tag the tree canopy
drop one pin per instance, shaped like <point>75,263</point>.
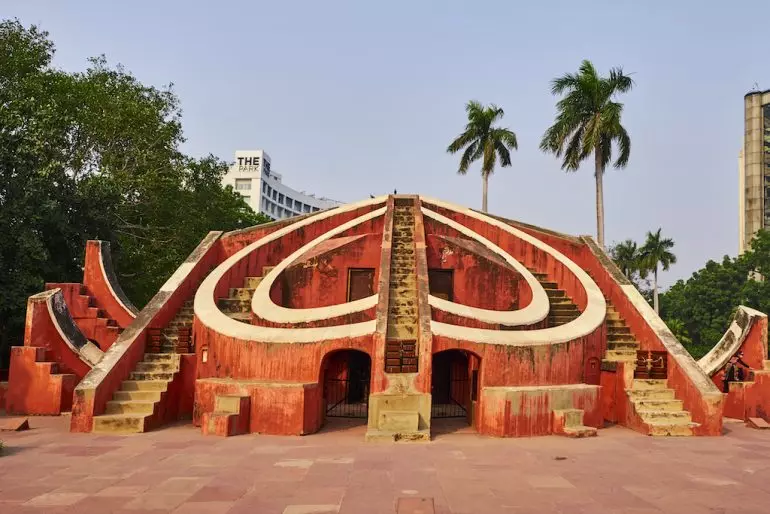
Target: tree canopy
<point>588,121</point>
<point>703,305</point>
<point>482,140</point>
<point>94,155</point>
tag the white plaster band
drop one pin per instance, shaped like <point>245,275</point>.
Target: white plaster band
<point>208,313</point>
<point>535,312</point>
<point>589,320</point>
<point>264,307</point>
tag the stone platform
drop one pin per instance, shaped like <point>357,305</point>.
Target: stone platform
<point>175,469</point>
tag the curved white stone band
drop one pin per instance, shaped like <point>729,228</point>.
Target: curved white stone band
<point>208,313</point>
<point>731,341</point>
<point>589,320</point>
<point>535,312</point>
<point>264,307</point>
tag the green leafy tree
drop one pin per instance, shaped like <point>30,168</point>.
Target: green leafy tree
<point>626,256</point>
<point>482,140</point>
<point>706,302</point>
<point>657,252</point>
<point>589,122</point>
<point>92,155</point>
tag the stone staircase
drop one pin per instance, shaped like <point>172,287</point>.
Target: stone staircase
<point>401,335</point>
<point>621,344</point>
<point>562,309</point>
<point>177,336</point>
<point>238,305</point>
<point>50,385</point>
<point>230,416</point>
<point>660,411</point>
<point>569,422</point>
<point>92,321</point>
<point>137,405</point>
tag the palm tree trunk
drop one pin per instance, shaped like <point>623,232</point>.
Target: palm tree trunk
<point>485,182</point>
<point>655,290</point>
<point>599,174</point>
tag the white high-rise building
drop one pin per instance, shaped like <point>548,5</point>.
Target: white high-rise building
<point>263,190</point>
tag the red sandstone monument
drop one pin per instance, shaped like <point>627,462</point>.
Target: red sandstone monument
<point>398,309</point>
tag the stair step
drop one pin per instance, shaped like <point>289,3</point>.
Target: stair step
<point>623,345</point>
<point>242,293</point>
<point>160,357</point>
<point>130,407</point>
<point>580,431</point>
<point>142,396</point>
<point>251,282</point>
<point>152,375</point>
<point>120,423</point>
<point>649,383</point>
<point>666,416</point>
<point>668,405</point>
<point>157,366</point>
<point>659,429</point>
<point>144,385</point>
<point>650,394</point>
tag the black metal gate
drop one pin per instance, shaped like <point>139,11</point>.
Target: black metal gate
<point>347,397</point>
<point>450,398</point>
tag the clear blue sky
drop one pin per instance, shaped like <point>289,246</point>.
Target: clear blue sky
<point>353,98</point>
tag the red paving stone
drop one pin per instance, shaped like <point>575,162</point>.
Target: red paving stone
<point>176,469</point>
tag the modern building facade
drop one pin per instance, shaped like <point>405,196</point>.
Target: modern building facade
<point>264,191</point>
<point>754,168</point>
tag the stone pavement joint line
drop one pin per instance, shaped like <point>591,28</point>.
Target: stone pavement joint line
<point>177,470</point>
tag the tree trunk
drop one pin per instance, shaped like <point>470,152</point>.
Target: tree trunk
<point>485,182</point>
<point>599,174</point>
<point>655,290</point>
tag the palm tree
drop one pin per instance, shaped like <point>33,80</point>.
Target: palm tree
<point>482,140</point>
<point>588,121</point>
<point>656,251</point>
<point>626,256</point>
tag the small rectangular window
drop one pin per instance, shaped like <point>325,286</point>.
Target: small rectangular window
<point>280,198</point>
<point>272,208</point>
<point>264,187</point>
<point>306,208</point>
<point>275,194</point>
<point>297,206</point>
<point>242,184</point>
<point>316,209</point>
<point>288,202</point>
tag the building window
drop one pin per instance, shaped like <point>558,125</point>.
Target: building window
<point>297,206</point>
<point>242,184</point>
<point>264,187</point>
<point>316,209</point>
<point>288,202</point>
<point>306,208</point>
<point>280,198</point>
<point>275,194</point>
<point>247,199</point>
<point>272,208</point>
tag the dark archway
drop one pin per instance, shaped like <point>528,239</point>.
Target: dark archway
<point>346,377</point>
<point>453,382</point>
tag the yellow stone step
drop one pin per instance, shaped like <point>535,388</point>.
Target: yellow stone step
<point>142,396</point>
<point>157,366</point>
<point>144,385</point>
<point>659,429</point>
<point>660,405</point>
<point>129,407</point>
<point>120,423</point>
<point>251,282</point>
<point>649,383</point>
<point>650,394</point>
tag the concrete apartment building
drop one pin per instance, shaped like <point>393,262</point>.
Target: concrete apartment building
<point>754,168</point>
<point>264,191</point>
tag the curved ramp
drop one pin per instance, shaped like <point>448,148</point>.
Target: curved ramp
<point>732,341</point>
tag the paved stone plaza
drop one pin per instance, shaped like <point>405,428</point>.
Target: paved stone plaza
<point>176,469</point>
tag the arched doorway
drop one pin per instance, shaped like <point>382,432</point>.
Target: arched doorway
<point>454,381</point>
<point>346,384</point>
